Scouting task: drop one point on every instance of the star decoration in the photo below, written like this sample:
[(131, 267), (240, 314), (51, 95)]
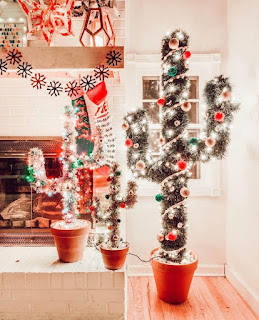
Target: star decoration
[(101, 72), (72, 88), (38, 81), (88, 83), (54, 88), (3, 66), (113, 58), (24, 69), (14, 56)]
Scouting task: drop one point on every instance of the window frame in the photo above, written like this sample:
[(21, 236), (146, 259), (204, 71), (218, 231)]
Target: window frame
[(205, 66)]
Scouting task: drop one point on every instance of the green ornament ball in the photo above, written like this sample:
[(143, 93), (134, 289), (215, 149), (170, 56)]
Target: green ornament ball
[(159, 197), (194, 141), (118, 173), (172, 71), (107, 196)]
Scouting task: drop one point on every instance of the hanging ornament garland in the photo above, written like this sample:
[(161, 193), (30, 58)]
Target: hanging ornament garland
[(54, 87)]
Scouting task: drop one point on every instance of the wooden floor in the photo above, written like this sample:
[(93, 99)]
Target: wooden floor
[(210, 298)]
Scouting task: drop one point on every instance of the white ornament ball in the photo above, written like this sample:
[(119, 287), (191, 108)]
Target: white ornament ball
[(38, 184), (171, 216), (186, 106), (66, 139), (218, 128), (140, 165), (185, 192), (225, 95), (177, 123), (70, 175), (173, 43), (179, 225), (125, 126), (135, 145), (210, 142), (160, 237)]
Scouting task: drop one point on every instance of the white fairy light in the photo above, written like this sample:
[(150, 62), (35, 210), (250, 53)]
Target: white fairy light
[(203, 157), (208, 149), (169, 132)]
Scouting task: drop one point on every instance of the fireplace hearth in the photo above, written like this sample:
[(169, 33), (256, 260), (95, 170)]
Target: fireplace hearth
[(25, 216)]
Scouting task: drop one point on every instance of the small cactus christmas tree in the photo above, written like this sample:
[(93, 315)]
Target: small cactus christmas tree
[(111, 215), (178, 151), (68, 184)]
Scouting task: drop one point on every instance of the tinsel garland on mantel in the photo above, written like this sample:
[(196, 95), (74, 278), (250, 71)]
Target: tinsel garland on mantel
[(178, 151)]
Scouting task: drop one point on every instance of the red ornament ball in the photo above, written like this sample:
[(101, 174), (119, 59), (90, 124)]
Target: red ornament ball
[(160, 237), (185, 192), (219, 116), (225, 95), (140, 165), (182, 165), (129, 143), (108, 179), (187, 55), (110, 228), (91, 208), (161, 102), (186, 106), (210, 142), (172, 236), (122, 205), (173, 43), (125, 126)]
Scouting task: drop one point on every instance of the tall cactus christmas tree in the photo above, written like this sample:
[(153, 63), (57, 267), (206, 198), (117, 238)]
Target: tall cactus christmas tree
[(178, 151)]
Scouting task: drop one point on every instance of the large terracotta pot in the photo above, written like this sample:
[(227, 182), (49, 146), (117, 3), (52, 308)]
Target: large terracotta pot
[(71, 243), (173, 281), (114, 259)]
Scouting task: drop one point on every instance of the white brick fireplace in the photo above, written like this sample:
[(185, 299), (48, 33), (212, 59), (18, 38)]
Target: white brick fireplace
[(35, 285)]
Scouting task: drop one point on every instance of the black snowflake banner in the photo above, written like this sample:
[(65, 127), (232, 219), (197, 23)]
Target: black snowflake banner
[(113, 58), (88, 83), (54, 88), (3, 66), (101, 72), (14, 56), (24, 69)]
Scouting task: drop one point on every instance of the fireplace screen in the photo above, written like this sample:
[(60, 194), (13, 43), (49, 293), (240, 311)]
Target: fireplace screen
[(25, 216)]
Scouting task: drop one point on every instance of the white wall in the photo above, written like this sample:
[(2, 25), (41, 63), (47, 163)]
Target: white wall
[(206, 22), (243, 163)]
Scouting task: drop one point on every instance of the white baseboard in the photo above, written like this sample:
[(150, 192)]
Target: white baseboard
[(216, 270), (243, 289)]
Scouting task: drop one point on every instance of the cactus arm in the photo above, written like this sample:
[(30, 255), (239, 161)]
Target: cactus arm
[(131, 197)]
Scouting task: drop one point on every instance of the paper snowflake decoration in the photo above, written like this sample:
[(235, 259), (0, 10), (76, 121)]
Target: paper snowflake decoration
[(72, 88), (113, 58), (88, 83), (24, 69), (101, 72), (38, 81), (14, 56), (3, 66), (54, 88)]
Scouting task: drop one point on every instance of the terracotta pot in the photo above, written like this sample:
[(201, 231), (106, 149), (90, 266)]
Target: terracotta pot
[(71, 243), (173, 281), (114, 259)]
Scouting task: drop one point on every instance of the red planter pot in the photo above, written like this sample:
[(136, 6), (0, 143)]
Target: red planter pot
[(114, 259), (173, 281), (71, 243)]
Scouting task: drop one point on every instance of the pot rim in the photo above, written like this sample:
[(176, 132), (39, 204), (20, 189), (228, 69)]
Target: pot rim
[(114, 250), (174, 264), (85, 224)]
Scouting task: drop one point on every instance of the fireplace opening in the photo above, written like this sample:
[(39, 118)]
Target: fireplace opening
[(26, 216)]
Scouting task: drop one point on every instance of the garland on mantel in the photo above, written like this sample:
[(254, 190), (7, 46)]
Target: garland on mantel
[(55, 87)]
